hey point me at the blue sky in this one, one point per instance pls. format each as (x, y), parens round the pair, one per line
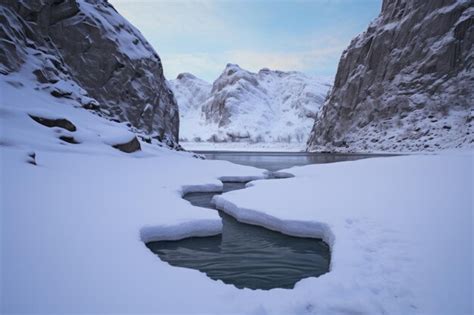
(202, 36)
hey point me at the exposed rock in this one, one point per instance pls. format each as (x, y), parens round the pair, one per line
(61, 123)
(89, 44)
(130, 146)
(68, 139)
(60, 93)
(411, 70)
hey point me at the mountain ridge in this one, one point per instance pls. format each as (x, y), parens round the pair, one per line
(243, 106)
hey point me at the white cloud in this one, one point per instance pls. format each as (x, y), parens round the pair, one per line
(195, 36)
(173, 18)
(210, 65)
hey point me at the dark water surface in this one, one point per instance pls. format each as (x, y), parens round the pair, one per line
(250, 256)
(274, 161)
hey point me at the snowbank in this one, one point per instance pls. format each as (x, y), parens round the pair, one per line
(400, 231)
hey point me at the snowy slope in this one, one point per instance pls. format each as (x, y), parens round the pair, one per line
(241, 106)
(88, 44)
(405, 84)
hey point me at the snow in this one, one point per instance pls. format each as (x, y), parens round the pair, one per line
(257, 109)
(400, 231)
(19, 130)
(73, 226)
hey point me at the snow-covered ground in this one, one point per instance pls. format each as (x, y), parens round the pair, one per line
(73, 225)
(400, 230)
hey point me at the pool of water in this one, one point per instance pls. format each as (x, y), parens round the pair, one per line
(245, 255)
(250, 256)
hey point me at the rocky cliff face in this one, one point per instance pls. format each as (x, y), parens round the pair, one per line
(88, 44)
(405, 84)
(242, 106)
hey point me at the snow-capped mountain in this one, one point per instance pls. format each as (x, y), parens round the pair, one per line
(405, 84)
(86, 53)
(190, 92)
(241, 106)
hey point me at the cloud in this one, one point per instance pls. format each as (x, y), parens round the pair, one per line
(305, 60)
(173, 18)
(202, 36)
(318, 60)
(204, 65)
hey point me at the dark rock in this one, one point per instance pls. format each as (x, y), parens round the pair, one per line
(129, 147)
(60, 93)
(61, 123)
(145, 139)
(92, 105)
(199, 156)
(68, 139)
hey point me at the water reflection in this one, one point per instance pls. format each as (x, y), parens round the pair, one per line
(248, 256)
(274, 161)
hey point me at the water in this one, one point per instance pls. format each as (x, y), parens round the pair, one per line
(249, 256)
(244, 255)
(274, 161)
(203, 199)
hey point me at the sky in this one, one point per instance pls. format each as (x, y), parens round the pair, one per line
(202, 36)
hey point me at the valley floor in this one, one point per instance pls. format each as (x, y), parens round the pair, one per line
(400, 230)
